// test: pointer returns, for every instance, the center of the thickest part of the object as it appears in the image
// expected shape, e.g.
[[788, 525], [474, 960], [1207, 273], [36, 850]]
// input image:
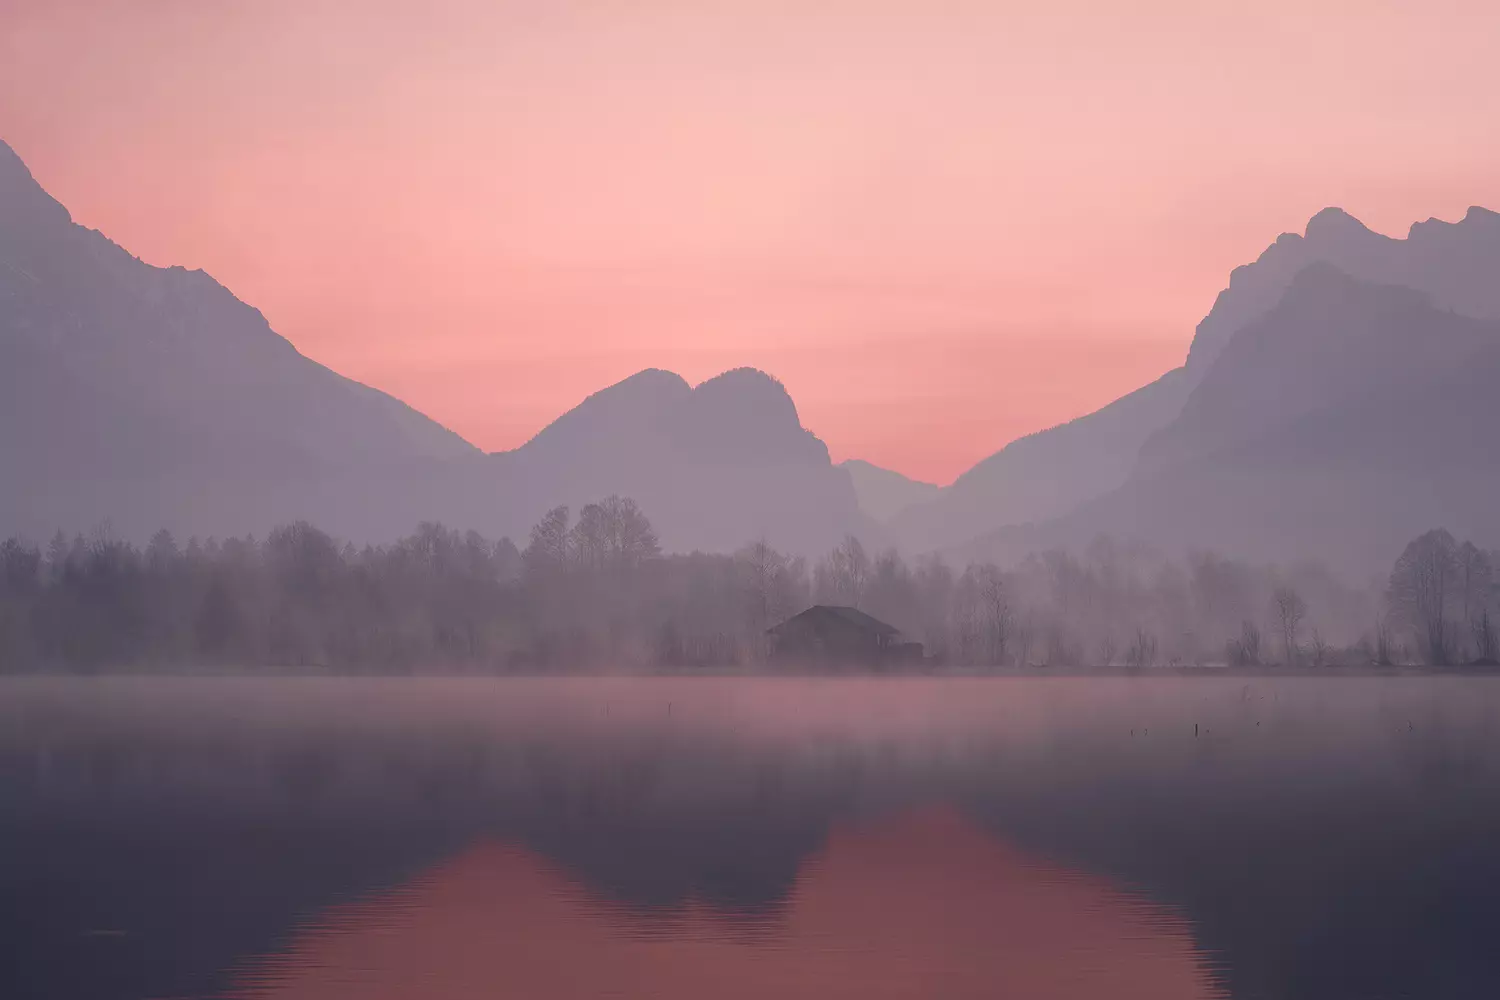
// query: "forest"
[[596, 593]]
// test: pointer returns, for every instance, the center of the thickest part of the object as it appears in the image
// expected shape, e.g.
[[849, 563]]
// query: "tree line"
[[596, 592]]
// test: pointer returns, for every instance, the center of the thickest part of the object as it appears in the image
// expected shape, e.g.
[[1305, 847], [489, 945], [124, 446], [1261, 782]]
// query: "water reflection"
[[921, 906], [1306, 840]]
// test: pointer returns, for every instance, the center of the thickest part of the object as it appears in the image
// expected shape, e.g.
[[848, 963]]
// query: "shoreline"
[[937, 673]]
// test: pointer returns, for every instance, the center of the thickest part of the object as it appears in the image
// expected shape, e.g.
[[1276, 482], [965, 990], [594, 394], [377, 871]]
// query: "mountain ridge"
[[1375, 435], [1045, 475], [153, 397], [884, 493]]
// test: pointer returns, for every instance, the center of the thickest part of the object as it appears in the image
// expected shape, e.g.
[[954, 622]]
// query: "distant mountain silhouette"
[[1337, 399], [715, 466], [1349, 418], [1456, 263], [1042, 474], [1048, 474], [146, 397], [883, 493]]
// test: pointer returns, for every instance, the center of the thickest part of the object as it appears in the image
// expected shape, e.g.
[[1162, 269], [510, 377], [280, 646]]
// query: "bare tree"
[[844, 573], [1320, 649], [1475, 582], [1023, 637], [1108, 648], [934, 584], [1486, 642], [1421, 592], [1142, 649], [1385, 645], [1058, 650], [891, 594], [964, 624], [994, 612], [20, 566], [764, 569], [588, 541], [1290, 610], [1245, 651], [56, 560], [629, 540], [1221, 590], [547, 550], [161, 552]]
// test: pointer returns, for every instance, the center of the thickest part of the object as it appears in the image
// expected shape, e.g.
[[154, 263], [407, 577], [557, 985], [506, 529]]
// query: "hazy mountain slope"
[[715, 466], [1347, 420], [1331, 339], [1043, 474], [141, 395], [146, 397], [1047, 474], [181, 343], [883, 493]]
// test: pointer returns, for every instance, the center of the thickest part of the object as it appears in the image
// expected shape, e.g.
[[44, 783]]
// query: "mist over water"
[[1084, 837]]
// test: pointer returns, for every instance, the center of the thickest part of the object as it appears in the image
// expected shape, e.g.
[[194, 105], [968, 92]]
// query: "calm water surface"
[[1035, 838]]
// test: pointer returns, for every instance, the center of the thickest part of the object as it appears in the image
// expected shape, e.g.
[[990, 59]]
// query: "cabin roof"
[[851, 616]]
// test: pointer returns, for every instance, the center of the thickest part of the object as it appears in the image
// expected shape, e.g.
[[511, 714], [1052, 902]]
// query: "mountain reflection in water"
[[1164, 837], [924, 906]]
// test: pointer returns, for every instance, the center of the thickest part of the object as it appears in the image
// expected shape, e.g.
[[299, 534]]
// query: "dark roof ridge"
[[854, 616]]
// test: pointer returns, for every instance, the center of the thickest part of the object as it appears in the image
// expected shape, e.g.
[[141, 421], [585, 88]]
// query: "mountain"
[[1455, 263], [1048, 474], [882, 493], [1335, 400], [1331, 341], [143, 397], [715, 466], [1042, 474], [1345, 421]]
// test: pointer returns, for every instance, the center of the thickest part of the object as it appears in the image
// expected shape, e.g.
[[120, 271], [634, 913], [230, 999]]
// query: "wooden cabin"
[[827, 633]]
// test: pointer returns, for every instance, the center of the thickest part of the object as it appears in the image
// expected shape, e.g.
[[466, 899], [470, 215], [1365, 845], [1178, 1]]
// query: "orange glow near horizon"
[[942, 226], [922, 906]]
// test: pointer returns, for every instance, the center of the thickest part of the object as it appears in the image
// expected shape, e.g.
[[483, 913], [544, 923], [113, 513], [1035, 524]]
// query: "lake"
[[1172, 837]]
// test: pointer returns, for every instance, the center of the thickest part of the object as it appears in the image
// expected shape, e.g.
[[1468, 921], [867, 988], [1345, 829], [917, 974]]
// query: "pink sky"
[[942, 225]]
